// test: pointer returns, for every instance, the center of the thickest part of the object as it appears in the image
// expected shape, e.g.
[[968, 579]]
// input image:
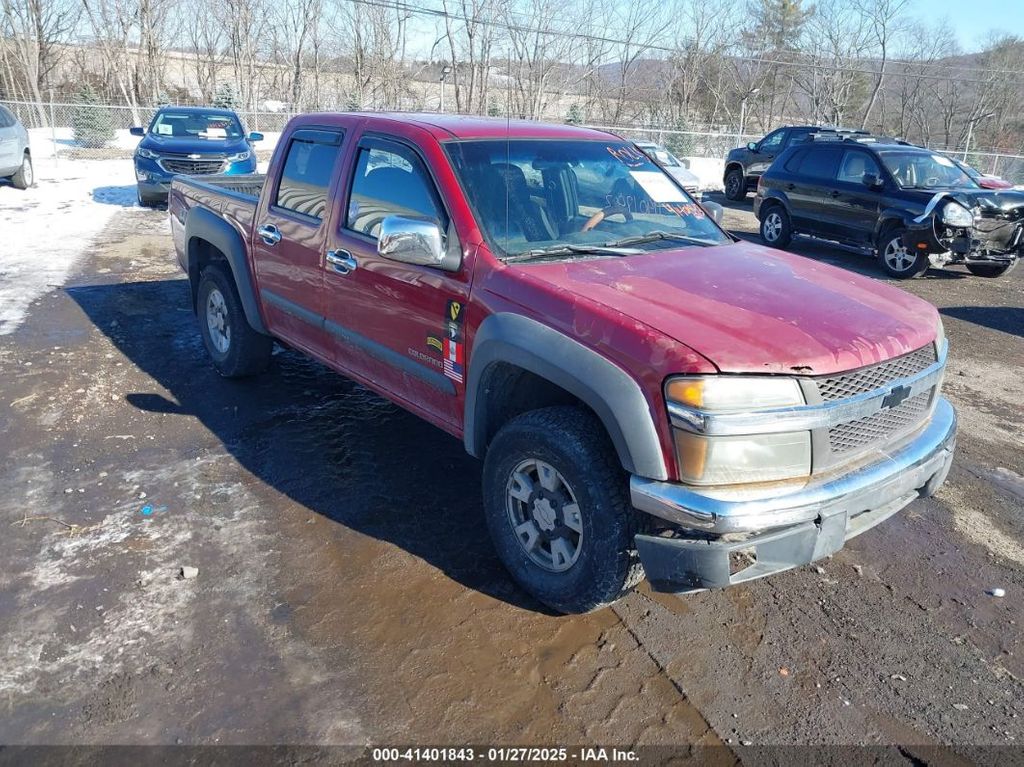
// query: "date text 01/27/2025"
[[502, 754]]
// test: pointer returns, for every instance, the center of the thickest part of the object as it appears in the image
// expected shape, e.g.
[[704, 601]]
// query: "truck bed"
[[233, 198]]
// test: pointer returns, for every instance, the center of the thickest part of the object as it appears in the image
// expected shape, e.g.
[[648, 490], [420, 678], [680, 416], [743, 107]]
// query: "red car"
[[981, 179], [647, 393]]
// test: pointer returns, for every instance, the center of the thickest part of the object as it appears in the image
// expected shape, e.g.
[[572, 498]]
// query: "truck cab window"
[[306, 177], [390, 182]]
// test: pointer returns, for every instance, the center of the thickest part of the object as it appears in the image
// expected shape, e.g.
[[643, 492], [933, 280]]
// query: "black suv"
[[911, 206], [744, 165]]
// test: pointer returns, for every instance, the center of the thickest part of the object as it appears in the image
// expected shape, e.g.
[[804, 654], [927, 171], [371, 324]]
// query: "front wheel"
[[236, 349], [990, 270], [735, 185], [557, 506], [25, 177], [896, 260]]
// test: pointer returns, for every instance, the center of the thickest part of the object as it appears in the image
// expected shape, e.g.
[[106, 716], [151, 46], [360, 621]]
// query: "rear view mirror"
[[872, 181], [714, 210], [255, 136], [752, 146], [137, 131], [411, 241]]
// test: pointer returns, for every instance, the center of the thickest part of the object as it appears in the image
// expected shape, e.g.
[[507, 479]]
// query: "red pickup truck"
[[647, 393]]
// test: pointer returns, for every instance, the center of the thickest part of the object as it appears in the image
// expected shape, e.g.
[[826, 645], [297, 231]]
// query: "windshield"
[[532, 195], [923, 170], [196, 125]]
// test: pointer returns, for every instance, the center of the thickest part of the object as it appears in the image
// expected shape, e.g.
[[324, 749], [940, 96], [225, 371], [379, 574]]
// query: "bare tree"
[[887, 20]]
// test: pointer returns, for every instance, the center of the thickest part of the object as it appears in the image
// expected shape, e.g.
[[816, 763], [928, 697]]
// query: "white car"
[[15, 158], [686, 178]]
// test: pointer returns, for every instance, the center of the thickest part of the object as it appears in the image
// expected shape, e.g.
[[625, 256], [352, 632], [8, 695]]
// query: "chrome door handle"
[[270, 234], [341, 261]]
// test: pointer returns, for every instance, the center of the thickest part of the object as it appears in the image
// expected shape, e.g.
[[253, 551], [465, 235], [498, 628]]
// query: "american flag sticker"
[[454, 360]]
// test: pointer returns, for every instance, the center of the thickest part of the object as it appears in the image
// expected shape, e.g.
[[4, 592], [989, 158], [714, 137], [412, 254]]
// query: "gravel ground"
[[347, 593]]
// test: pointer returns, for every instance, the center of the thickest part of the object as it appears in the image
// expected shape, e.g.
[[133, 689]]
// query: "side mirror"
[[255, 136], [714, 210], [137, 131], [411, 241], [872, 181], [752, 146]]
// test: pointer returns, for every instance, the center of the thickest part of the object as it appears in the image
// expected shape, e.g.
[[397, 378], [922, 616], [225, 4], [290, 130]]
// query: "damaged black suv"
[[913, 207]]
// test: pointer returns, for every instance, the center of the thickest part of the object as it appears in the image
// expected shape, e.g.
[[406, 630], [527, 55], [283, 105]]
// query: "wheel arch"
[[210, 238], [891, 217], [731, 166], [773, 199], [514, 357]]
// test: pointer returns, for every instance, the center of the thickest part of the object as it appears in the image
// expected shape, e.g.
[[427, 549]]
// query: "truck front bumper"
[[738, 540]]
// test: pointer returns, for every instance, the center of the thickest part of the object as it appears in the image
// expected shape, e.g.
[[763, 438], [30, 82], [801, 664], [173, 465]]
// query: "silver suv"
[[15, 158]]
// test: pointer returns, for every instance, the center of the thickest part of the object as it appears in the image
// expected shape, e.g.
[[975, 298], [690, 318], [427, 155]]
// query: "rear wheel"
[[236, 349], [896, 259], [557, 507], [990, 270], [25, 177], [735, 185], [776, 229]]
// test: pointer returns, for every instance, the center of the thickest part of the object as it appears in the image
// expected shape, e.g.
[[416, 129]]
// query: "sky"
[[975, 19]]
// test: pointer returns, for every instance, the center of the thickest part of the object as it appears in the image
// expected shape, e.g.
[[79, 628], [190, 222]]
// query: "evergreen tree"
[[352, 103], [575, 115], [226, 96], [776, 25], [91, 122]]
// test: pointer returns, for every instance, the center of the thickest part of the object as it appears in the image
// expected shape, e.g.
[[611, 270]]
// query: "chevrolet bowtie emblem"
[[194, 156], [895, 397]]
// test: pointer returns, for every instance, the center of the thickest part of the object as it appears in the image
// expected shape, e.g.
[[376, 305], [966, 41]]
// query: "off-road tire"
[[917, 267], [248, 352], [990, 270], [25, 177], [735, 185], [776, 227], [575, 443]]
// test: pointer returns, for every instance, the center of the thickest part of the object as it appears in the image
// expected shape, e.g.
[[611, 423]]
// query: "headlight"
[[726, 460], [240, 156], [956, 214], [147, 153]]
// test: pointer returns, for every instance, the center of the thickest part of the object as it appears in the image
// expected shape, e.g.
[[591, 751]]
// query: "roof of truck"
[[448, 126]]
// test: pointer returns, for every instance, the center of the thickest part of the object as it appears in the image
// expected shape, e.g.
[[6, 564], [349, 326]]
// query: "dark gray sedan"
[[15, 157]]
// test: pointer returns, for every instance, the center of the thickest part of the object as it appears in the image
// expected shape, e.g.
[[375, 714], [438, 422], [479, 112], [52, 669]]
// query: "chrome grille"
[[201, 167], [876, 376], [880, 427]]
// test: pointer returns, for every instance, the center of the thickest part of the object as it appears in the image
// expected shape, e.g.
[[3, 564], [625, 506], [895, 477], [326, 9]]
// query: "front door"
[[399, 326], [10, 154], [289, 239], [771, 146]]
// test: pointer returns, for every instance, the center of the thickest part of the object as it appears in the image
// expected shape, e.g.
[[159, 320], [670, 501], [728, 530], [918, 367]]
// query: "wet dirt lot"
[[347, 592]]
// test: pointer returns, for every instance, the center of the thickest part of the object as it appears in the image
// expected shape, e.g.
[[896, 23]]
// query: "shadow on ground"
[[1008, 319], [326, 443], [123, 196]]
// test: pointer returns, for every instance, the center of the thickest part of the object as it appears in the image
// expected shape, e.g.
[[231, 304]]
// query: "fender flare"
[[204, 224], [731, 165], [607, 389], [891, 216], [773, 197]]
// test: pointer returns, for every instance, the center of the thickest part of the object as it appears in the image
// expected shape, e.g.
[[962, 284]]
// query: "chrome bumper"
[[788, 530], [868, 487]]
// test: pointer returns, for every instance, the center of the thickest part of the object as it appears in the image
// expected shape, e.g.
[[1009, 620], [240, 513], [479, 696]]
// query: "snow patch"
[[47, 228]]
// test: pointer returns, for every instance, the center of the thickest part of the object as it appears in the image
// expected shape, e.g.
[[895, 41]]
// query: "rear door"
[[815, 179], [857, 207], [10, 146], [288, 238], [400, 326]]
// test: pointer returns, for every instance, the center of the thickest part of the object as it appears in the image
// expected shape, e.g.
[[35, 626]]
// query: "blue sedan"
[[190, 141]]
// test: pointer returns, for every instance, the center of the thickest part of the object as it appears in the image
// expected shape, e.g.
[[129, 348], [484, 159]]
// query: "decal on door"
[[454, 352]]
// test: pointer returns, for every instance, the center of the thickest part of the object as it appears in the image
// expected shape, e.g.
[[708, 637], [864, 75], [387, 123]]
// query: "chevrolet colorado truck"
[[648, 394]]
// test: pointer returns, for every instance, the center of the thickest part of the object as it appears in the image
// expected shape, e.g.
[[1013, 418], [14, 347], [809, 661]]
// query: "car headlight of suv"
[[955, 214], [243, 155], [149, 154], [708, 459]]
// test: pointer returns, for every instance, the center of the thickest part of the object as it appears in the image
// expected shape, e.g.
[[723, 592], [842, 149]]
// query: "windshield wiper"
[[640, 239], [556, 251]]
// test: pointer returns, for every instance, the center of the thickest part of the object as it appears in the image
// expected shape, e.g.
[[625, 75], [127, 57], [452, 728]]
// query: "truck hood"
[[751, 309], [179, 145]]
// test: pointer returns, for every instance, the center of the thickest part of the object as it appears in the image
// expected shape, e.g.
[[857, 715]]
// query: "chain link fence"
[[100, 131]]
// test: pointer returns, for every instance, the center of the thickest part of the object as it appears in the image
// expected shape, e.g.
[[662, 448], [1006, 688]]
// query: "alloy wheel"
[[897, 257], [772, 226], [544, 515], [217, 321]]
